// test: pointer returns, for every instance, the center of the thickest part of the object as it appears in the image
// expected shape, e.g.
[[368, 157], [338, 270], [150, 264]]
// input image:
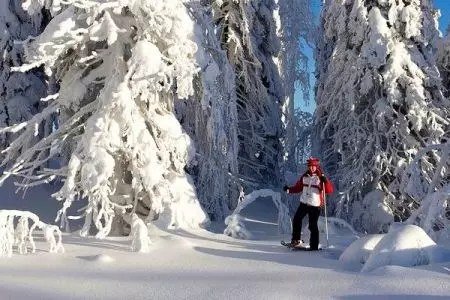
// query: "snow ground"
[[206, 265]]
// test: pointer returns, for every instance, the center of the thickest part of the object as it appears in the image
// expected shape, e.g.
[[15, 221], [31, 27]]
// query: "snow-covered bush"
[[379, 98], [10, 236], [406, 246], [120, 66], [235, 226], [139, 232]]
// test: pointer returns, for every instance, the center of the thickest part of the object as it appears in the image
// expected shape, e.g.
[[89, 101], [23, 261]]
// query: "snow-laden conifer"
[[247, 32], [429, 191], [20, 93], [443, 62], [303, 131], [379, 98], [296, 29], [120, 65], [211, 120]]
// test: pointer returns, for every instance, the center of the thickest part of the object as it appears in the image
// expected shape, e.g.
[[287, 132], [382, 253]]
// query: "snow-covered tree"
[[295, 29], [379, 99], [120, 66], [247, 32], [303, 130], [429, 191], [443, 62], [20, 93]]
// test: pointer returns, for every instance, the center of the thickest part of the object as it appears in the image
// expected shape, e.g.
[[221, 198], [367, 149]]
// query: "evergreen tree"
[[247, 32], [211, 120], [121, 65], [296, 29], [20, 93], [428, 185], [443, 62], [379, 100]]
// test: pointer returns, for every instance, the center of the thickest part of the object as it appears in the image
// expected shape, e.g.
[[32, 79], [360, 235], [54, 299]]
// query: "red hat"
[[313, 162]]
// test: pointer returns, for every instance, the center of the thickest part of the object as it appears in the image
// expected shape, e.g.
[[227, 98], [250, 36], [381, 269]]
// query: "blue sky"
[[443, 5]]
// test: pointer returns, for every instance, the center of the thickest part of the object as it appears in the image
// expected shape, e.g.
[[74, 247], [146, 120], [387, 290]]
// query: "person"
[[311, 184]]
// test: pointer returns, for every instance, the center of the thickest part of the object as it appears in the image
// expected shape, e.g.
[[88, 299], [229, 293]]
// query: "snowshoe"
[[298, 246]]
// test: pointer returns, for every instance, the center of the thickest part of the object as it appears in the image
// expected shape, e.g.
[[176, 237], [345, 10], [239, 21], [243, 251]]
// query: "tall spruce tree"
[[379, 100], [20, 93], [443, 62], [247, 32], [210, 119], [296, 30], [121, 66]]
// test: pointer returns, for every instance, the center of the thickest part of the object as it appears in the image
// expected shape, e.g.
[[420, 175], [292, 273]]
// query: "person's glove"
[[285, 188]]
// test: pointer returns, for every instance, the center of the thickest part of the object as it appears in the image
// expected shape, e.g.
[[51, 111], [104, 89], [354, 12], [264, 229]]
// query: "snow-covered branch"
[[428, 191], [23, 232], [234, 222]]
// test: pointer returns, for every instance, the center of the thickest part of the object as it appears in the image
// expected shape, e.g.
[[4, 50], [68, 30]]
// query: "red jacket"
[[300, 184]]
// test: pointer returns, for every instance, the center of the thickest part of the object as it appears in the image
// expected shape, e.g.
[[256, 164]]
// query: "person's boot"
[[295, 243]]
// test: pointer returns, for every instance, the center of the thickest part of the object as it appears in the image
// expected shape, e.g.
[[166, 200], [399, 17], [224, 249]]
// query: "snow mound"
[[360, 250], [403, 246], [99, 258]]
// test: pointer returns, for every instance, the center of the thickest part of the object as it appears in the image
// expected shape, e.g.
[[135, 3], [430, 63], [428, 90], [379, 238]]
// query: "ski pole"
[[325, 207]]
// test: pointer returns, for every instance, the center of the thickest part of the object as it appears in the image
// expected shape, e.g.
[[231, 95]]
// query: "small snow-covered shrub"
[[10, 236], [406, 245], [236, 228], [139, 232], [50, 232]]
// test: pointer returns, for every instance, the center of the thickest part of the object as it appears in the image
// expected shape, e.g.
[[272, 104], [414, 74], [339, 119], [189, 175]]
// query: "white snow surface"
[[200, 264]]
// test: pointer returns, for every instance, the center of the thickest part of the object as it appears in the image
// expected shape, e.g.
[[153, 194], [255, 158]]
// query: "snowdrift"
[[360, 250], [403, 245]]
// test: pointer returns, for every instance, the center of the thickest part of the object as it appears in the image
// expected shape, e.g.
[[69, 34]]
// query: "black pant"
[[313, 213]]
